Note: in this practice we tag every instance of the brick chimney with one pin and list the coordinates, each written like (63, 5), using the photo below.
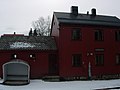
(93, 12)
(74, 10)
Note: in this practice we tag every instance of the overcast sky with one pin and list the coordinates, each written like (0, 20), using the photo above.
(17, 15)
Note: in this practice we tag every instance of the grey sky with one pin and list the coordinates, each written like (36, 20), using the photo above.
(17, 15)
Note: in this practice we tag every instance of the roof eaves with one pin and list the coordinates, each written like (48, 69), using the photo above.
(90, 22)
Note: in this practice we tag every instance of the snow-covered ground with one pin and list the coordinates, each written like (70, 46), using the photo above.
(68, 85)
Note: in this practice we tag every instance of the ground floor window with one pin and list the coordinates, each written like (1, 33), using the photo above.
(118, 59)
(76, 60)
(99, 59)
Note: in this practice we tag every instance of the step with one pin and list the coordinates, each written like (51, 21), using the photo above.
(16, 82)
(51, 78)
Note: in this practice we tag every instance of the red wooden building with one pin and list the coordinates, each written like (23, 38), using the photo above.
(81, 46)
(39, 52)
(88, 44)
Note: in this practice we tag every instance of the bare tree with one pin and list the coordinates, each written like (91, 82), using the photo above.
(30, 32)
(42, 26)
(35, 33)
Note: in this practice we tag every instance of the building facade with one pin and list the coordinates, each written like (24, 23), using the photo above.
(81, 46)
(38, 52)
(88, 44)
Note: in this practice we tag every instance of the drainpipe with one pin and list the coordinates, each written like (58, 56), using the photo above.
(89, 71)
(89, 65)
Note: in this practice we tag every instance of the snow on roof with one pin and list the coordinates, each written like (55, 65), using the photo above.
(27, 42)
(21, 45)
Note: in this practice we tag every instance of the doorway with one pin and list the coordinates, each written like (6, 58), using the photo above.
(16, 72)
(53, 64)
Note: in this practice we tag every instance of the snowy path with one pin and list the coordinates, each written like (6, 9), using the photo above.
(71, 85)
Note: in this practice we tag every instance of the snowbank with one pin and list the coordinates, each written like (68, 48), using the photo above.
(71, 85)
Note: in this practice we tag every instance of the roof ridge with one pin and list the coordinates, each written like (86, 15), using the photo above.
(87, 14)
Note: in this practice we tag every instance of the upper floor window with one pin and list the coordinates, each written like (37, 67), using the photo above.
(117, 35)
(99, 35)
(76, 34)
(76, 60)
(118, 59)
(99, 59)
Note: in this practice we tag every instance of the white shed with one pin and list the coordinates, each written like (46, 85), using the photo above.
(16, 72)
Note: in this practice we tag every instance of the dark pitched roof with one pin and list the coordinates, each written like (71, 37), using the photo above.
(87, 19)
(27, 43)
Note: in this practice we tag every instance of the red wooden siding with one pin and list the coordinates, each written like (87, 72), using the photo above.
(87, 46)
(38, 65)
